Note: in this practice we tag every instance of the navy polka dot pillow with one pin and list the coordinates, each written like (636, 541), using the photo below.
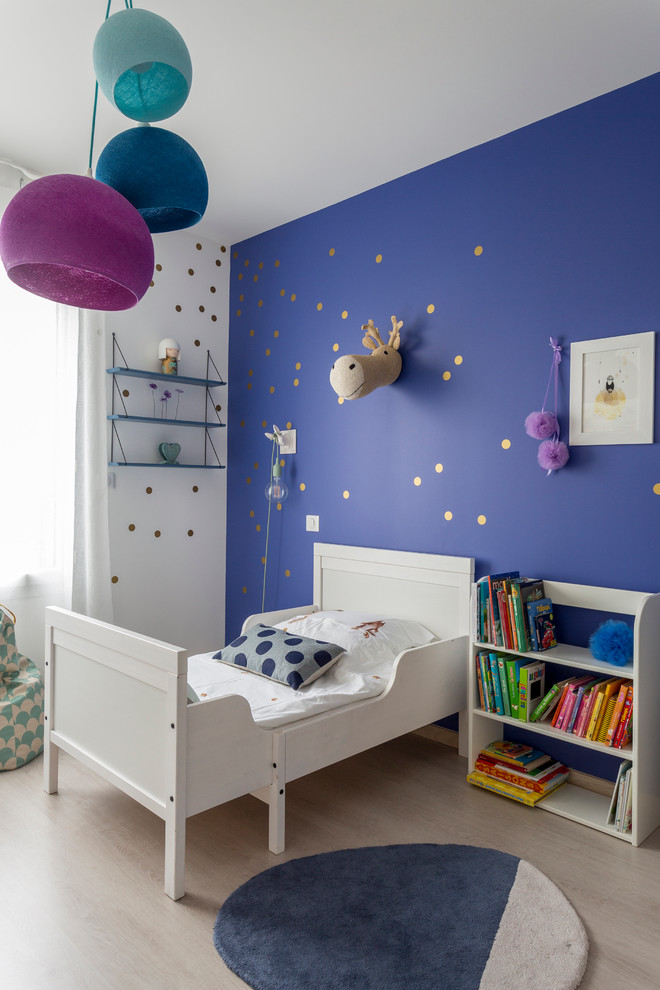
(282, 656)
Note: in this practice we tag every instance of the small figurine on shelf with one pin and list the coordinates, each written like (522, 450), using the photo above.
(169, 350)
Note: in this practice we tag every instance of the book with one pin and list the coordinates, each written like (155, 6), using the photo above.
(531, 689)
(531, 590)
(623, 767)
(520, 794)
(497, 687)
(616, 714)
(588, 702)
(517, 754)
(623, 733)
(582, 688)
(494, 584)
(541, 625)
(625, 824)
(501, 670)
(549, 702)
(480, 685)
(539, 785)
(605, 690)
(565, 715)
(513, 666)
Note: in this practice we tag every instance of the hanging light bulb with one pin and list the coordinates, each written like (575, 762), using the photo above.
(276, 490)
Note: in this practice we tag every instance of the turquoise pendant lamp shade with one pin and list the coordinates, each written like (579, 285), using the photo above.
(142, 65)
(159, 173)
(76, 241)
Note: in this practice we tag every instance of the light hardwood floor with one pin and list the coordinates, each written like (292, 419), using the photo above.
(81, 871)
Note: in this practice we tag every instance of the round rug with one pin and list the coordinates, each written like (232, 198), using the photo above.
(403, 917)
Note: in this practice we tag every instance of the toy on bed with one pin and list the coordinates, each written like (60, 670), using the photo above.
(364, 678)
(21, 701)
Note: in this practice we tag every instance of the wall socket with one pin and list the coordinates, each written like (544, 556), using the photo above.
(312, 524)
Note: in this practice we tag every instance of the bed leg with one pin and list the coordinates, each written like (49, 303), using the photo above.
(276, 801)
(463, 733)
(51, 760)
(175, 857)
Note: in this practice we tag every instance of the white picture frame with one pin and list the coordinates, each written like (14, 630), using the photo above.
(611, 392)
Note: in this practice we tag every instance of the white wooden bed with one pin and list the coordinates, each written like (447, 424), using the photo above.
(116, 700)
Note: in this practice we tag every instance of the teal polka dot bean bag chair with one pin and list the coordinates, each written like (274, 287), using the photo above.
(21, 702)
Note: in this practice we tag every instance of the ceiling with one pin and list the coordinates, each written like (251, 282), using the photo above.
(297, 105)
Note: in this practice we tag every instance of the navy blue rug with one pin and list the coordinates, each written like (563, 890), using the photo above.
(404, 917)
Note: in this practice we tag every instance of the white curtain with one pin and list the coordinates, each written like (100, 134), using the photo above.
(91, 590)
(53, 483)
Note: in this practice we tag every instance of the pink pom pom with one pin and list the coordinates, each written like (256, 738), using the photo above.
(541, 425)
(552, 455)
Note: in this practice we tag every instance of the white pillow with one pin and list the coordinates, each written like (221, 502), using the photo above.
(367, 636)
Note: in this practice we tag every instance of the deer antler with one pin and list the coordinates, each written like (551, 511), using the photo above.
(372, 332)
(395, 336)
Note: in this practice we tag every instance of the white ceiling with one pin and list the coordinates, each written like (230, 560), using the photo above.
(297, 105)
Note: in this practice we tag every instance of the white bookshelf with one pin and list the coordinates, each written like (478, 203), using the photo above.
(571, 801)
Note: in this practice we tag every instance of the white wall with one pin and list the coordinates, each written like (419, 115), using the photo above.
(172, 586)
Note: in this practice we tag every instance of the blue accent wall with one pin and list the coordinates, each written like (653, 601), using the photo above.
(553, 229)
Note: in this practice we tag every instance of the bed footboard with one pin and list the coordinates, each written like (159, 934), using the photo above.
(116, 701)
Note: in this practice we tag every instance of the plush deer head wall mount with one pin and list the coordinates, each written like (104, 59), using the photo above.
(355, 375)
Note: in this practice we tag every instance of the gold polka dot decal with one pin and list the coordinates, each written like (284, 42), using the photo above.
(335, 347)
(288, 426)
(346, 494)
(379, 258)
(331, 252)
(430, 308)
(244, 590)
(148, 491)
(446, 375)
(449, 515)
(277, 264)
(190, 532)
(506, 444)
(481, 520)
(340, 400)
(344, 314)
(478, 250)
(131, 528)
(195, 488)
(302, 486)
(115, 579)
(298, 366)
(439, 469)
(251, 513)
(287, 573)
(417, 481)
(656, 489)
(197, 343)
(159, 268)
(296, 382)
(276, 333)
(271, 389)
(458, 359)
(279, 506)
(191, 271)
(319, 306)
(125, 393)
(282, 292)
(157, 533)
(258, 528)
(178, 309)
(293, 297)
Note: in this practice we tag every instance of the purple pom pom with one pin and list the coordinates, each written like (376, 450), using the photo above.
(541, 425)
(612, 643)
(552, 455)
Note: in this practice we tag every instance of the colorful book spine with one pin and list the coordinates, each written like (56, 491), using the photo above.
(616, 714)
(497, 687)
(521, 780)
(501, 671)
(506, 790)
(480, 686)
(513, 679)
(623, 733)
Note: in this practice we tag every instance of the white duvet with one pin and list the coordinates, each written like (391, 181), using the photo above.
(372, 643)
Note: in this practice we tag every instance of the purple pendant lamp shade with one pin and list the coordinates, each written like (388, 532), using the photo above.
(142, 65)
(159, 173)
(77, 241)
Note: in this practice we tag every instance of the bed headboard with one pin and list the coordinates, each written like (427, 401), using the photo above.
(432, 588)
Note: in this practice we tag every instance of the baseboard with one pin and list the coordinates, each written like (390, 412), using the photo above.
(449, 737)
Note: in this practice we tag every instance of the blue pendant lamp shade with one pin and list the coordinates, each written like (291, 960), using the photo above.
(159, 173)
(142, 65)
(76, 241)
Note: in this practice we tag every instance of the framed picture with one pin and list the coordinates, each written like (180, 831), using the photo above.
(612, 390)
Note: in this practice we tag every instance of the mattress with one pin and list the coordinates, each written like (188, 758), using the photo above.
(372, 643)
(275, 704)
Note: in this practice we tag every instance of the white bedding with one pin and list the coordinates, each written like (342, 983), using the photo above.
(362, 672)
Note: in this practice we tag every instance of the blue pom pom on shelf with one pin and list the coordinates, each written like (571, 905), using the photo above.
(612, 643)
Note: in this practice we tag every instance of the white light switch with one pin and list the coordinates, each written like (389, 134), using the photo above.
(288, 442)
(312, 524)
